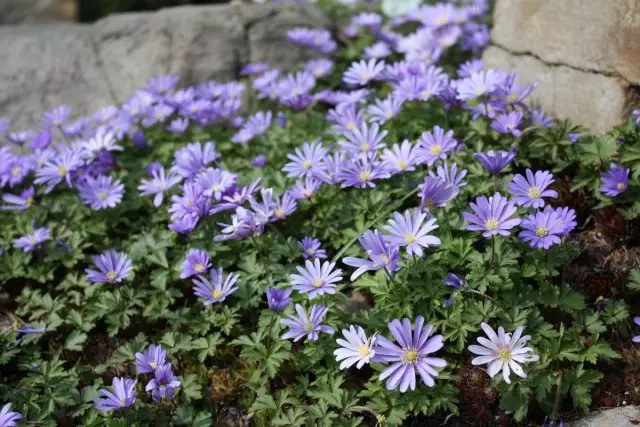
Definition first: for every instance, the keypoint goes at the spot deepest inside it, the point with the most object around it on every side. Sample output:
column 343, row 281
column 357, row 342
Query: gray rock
column 594, row 100
column 617, row 417
column 87, row 67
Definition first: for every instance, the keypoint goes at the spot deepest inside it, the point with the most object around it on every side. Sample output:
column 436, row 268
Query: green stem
column 263, row 260
column 390, row 277
column 493, row 250
column 473, row 291
column 271, row 322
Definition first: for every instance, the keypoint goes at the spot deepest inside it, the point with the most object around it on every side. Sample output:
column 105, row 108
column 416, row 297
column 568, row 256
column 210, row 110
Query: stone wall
column 585, row 54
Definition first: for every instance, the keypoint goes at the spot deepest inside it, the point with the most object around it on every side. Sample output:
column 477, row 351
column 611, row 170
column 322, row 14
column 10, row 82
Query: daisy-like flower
column 319, row 67
column 278, row 299
column 306, row 325
column 101, row 192
column 283, row 206
column 56, row 117
column 529, row 191
column 150, row 360
column 9, row 418
column 478, row 84
column 18, row 203
column 566, row 218
column 616, row 181
column 356, row 348
column 636, row 320
column 163, row 383
column 161, row 85
column 196, row 263
column 102, row 140
column 435, row 145
column 215, row 182
column 306, row 161
column 178, row 126
column 61, row 166
column 215, row 290
column 456, row 283
column 450, row 176
column 436, row 193
column 508, row 123
column 361, row 73
column 191, row 159
column 331, row 168
column 492, row 216
column 316, row 279
column 125, row 395
column 401, row 157
column 158, row 185
column 385, row 109
column 32, row 240
column 346, row 118
column 410, row 230
column 381, row 255
column 503, row 352
column 304, row 189
column 362, row 172
column 542, row 229
column 311, row 248
column 378, row 50
column 495, row 162
column 364, row 141
column 411, row 354
column 113, row 267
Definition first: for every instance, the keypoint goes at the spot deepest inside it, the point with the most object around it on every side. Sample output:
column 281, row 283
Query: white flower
column 103, row 140
column 502, row 352
column 357, row 348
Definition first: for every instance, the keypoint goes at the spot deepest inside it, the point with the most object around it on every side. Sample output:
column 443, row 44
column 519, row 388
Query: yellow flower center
column 388, row 114
column 436, row 149
column 541, row 231
column 317, row 283
column 512, row 97
column 102, row 195
column 217, row 293
column 480, row 90
column 621, row 186
column 364, row 176
column 29, row 202
column 297, row 91
column 199, row 268
column 279, row 212
column 365, row 76
column 426, row 94
column 365, row 147
column 311, row 251
column 306, row 192
column 492, row 224
column 153, row 364
column 504, row 354
column 364, row 350
column 16, row 171
column 351, row 125
column 409, row 237
column 317, row 71
column 401, row 164
column 111, row 275
column 306, row 164
column 534, row 192
column 216, row 187
column 122, row 402
column 410, row 355
column 441, row 21
column 429, row 204
column 385, row 259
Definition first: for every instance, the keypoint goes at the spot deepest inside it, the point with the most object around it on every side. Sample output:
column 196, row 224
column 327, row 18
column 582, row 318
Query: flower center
column 410, row 355
column 153, row 364
column 311, row 251
column 364, row 176
column 279, row 212
column 364, row 350
column 198, row 268
column 102, row 195
column 16, row 170
column 306, row 164
column 534, row 192
column 436, row 149
column 216, row 187
column 308, row 326
column 492, row 224
column 317, row 283
column 441, row 21
column 426, row 94
column 365, row 147
column 217, row 293
column 122, row 402
column 366, row 76
column 504, row 354
column 306, row 192
column 388, row 114
column 351, row 125
column 111, row 275
column 480, row 90
column 409, row 237
column 541, row 231
column 512, row 98
column 621, row 186
column 401, row 164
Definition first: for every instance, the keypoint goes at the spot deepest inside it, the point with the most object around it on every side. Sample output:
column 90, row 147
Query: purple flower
column 380, row 254
column 319, row 67
column 317, row 39
column 304, row 189
column 378, row 50
column 470, row 68
column 113, row 267
column 236, row 198
column 364, row 141
column 356, row 349
column 436, row 193
column 309, row 325
column 353, row 97
column 196, row 263
column 331, row 167
column 41, row 140
column 492, row 216
column 411, row 231
column 216, row 289
column 566, row 217
column 539, row 118
column 18, row 203
column 8, row 418
column 295, row 85
column 191, row 202
column 259, row 161
column 278, row 299
column 59, row 167
column 283, row 206
column 362, row 172
column 306, row 161
column 139, row 140
column 32, row 240
column 5, row 124
column 125, row 395
column 163, row 383
column 259, row 123
column 311, row 248
column 178, row 125
column 316, row 279
column 21, row 137
column 616, row 181
column 216, row 182
column 529, row 191
column 150, row 360
column 370, row 20
column 361, row 73
column 636, row 320
column 478, row 84
column 101, row 192
column 346, row 118
column 401, row 158
column 456, row 283
column 411, row 354
column 385, row 109
column 190, row 160
column 495, row 162
column 541, row 229
column 436, row 145
column 508, row 123
column 254, row 68
column 161, row 85
column 158, row 184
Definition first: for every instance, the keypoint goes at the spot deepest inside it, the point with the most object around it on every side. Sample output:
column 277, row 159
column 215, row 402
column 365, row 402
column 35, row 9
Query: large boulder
column 584, row 54
column 89, row 66
column 625, row 416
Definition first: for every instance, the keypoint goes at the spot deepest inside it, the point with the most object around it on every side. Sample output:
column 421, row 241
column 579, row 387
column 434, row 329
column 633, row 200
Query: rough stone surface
column 617, row 417
column 594, row 100
column 602, row 36
column 37, row 11
column 88, row 67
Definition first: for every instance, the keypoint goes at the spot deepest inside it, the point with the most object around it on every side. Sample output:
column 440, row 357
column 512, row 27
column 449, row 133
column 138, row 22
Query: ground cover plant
column 387, row 235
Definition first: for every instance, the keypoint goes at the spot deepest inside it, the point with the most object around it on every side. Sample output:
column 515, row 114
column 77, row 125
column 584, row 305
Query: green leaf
column 74, row 340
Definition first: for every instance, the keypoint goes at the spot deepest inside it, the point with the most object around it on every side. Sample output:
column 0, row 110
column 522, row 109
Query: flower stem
column 263, row 260
column 493, row 251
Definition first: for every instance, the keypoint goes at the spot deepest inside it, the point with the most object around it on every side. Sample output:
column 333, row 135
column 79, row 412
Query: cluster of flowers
column 162, row 385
